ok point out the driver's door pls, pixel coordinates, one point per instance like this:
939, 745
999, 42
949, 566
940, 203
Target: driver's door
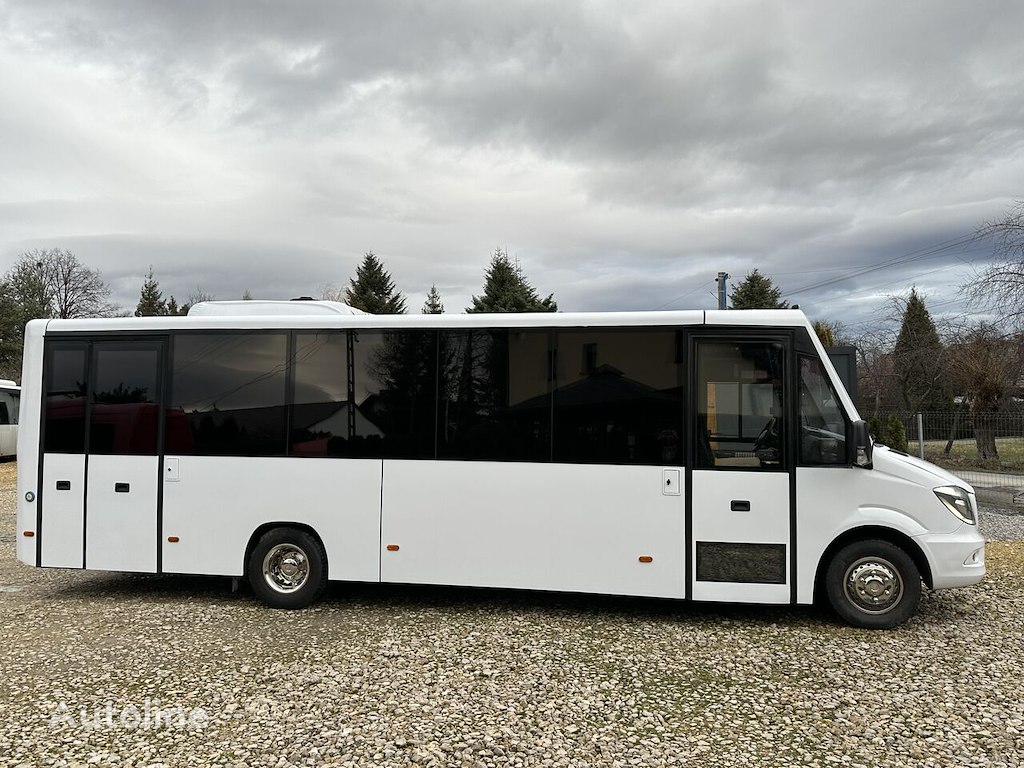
740, 505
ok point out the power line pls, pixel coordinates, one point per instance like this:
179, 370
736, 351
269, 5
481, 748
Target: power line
683, 296
921, 253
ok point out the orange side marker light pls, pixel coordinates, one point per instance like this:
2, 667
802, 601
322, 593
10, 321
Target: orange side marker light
646, 559
392, 547
28, 534
173, 539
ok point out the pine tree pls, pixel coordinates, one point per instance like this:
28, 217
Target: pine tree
372, 289
172, 307
433, 305
506, 290
757, 291
151, 300
826, 332
918, 360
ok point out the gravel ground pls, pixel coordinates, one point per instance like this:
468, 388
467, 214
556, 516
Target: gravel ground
380, 675
1002, 524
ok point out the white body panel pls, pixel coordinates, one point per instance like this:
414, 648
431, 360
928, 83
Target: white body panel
218, 501
333, 320
510, 524
120, 527
895, 495
63, 532
575, 528
766, 522
28, 443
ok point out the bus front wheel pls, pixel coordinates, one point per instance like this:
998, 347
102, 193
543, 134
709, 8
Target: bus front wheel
287, 568
873, 584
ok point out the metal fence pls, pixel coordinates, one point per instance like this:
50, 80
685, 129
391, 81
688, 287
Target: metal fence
985, 449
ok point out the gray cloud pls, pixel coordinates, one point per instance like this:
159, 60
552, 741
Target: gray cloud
625, 153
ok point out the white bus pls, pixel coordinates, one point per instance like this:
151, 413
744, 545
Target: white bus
10, 399
698, 455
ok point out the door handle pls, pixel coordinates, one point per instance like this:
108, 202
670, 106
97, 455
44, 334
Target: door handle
740, 505
121, 487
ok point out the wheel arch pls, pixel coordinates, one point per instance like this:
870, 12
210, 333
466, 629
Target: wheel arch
865, 533
267, 527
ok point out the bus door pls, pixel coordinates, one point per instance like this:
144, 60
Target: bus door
100, 463
740, 487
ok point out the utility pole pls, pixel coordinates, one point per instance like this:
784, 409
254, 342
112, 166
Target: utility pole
722, 277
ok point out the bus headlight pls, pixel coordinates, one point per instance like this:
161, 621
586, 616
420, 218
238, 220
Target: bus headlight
959, 502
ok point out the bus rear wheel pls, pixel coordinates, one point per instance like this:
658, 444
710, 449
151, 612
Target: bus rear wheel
287, 568
873, 584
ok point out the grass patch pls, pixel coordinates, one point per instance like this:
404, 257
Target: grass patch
964, 454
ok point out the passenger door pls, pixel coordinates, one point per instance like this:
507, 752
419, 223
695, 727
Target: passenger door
98, 495
740, 499
62, 487
125, 399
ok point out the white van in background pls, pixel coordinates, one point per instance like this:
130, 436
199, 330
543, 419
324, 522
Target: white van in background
10, 399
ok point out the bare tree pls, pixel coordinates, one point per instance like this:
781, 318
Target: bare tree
876, 377
46, 284
331, 292
77, 290
999, 287
987, 367
54, 283
194, 297
198, 295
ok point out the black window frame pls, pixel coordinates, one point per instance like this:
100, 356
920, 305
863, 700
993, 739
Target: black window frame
172, 346
680, 372
96, 346
744, 334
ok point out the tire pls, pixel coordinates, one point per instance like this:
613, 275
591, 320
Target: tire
287, 568
873, 584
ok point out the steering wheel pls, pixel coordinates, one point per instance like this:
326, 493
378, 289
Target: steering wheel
767, 443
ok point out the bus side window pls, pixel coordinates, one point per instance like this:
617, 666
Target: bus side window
822, 423
739, 405
5, 416
618, 396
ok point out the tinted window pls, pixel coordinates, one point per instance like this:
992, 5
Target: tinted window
739, 405
8, 408
364, 393
494, 395
822, 422
321, 417
64, 428
125, 389
228, 395
618, 397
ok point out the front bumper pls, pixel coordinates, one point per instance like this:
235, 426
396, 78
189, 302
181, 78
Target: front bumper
956, 559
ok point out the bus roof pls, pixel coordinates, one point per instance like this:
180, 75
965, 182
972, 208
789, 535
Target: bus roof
318, 314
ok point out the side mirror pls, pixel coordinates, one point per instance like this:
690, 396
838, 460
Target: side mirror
862, 444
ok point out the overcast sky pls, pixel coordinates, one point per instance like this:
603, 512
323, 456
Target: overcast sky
623, 152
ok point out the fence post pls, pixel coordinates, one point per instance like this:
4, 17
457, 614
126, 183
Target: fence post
920, 435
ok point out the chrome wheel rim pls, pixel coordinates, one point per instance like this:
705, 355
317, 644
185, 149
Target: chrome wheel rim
286, 568
873, 585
